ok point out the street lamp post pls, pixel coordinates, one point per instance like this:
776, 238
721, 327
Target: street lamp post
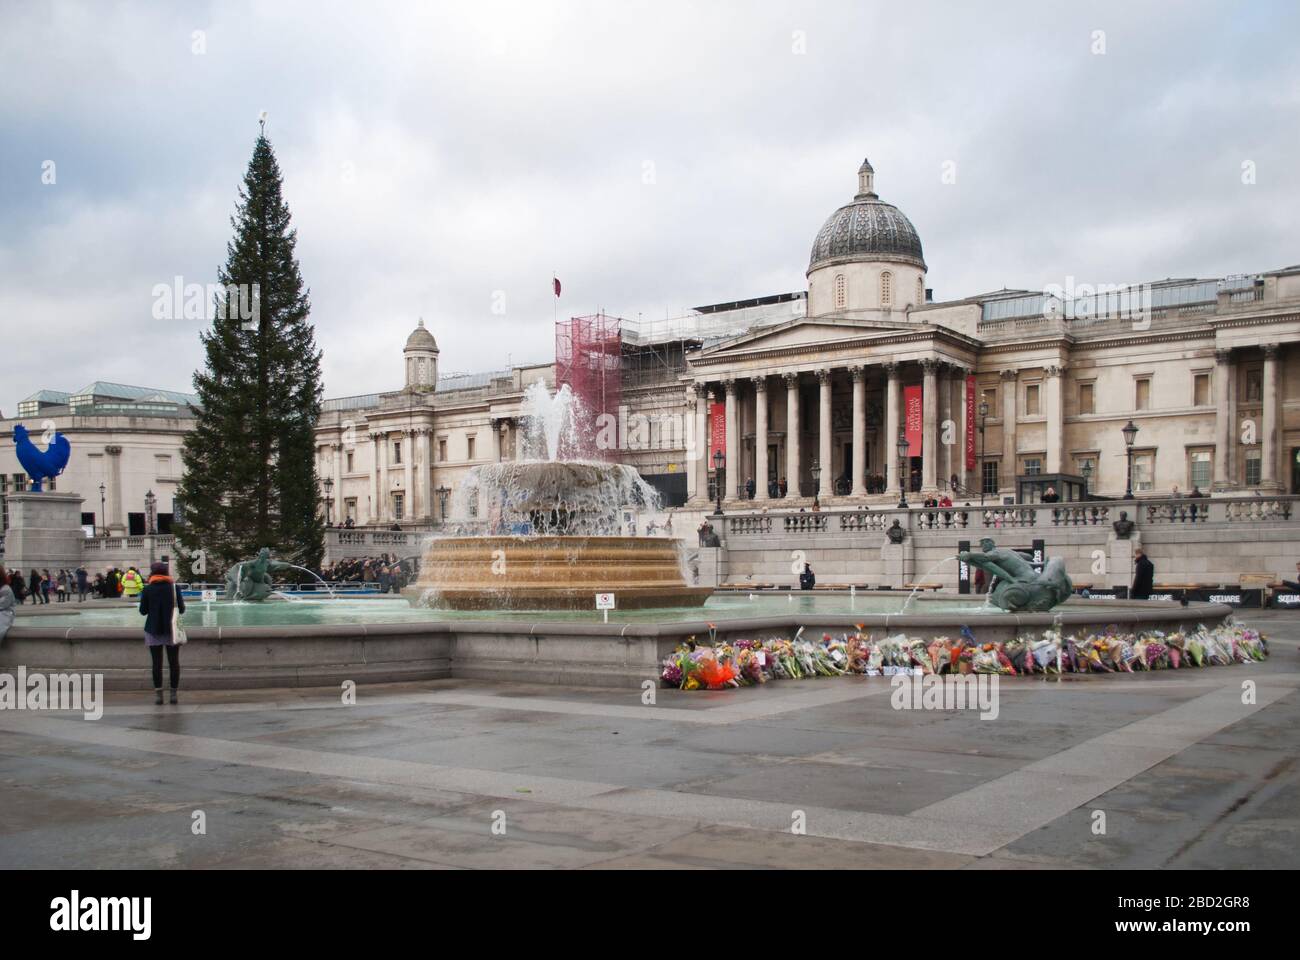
329, 501
443, 493
1130, 434
903, 474
817, 487
151, 522
984, 415
103, 521
719, 462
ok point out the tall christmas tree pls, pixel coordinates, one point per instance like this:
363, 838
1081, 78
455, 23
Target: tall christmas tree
250, 472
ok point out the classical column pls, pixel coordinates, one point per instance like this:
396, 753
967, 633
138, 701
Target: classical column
1223, 376
963, 426
892, 428
825, 487
113, 522
495, 427
426, 477
408, 479
760, 438
1055, 417
337, 450
697, 446
372, 510
930, 425
733, 440
1268, 464
859, 375
792, 464
1007, 473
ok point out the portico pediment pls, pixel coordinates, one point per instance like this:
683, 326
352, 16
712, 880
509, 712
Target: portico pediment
823, 334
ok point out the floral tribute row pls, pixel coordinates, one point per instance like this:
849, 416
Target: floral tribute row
741, 663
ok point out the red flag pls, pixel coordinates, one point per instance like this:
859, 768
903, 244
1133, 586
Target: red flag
555, 281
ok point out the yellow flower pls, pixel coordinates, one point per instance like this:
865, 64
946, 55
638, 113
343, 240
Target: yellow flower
691, 684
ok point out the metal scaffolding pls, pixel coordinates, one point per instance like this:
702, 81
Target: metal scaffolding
589, 358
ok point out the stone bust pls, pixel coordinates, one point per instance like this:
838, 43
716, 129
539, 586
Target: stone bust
896, 533
1123, 526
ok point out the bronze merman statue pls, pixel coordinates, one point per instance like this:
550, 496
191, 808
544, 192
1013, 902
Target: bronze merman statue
251, 579
1016, 585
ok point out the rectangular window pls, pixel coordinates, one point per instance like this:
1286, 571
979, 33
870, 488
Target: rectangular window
1253, 464
350, 509
1201, 390
989, 396
399, 501
162, 466
990, 476
1033, 466
349, 463
397, 452
1031, 400
1087, 467
1087, 398
1254, 386
442, 451
469, 448
1142, 394
20, 483
1199, 465
1144, 471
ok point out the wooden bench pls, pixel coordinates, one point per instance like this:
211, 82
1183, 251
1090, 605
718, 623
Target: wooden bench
923, 586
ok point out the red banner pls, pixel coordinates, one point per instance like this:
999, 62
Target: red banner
717, 430
970, 423
913, 418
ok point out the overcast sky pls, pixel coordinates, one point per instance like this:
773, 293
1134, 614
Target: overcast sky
441, 158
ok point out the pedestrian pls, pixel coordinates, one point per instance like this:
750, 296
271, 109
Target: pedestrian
82, 584
132, 584
1294, 584
1144, 572
17, 586
749, 489
34, 586
159, 598
807, 579
981, 580
63, 585
1050, 496
7, 602
98, 585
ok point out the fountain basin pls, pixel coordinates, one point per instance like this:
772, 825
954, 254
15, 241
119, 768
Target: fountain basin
513, 646
552, 573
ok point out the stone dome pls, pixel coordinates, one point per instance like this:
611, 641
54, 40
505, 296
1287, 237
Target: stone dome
420, 339
866, 229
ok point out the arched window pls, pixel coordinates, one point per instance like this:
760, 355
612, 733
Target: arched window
841, 291
886, 288
920, 290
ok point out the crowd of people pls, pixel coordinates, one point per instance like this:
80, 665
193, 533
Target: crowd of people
386, 571
44, 585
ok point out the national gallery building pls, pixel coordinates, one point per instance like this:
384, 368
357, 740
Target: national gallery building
862, 389
859, 390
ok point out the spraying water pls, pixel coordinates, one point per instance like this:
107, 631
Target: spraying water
911, 596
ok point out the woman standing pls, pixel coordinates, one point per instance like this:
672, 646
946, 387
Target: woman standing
158, 599
6, 603
34, 586
62, 585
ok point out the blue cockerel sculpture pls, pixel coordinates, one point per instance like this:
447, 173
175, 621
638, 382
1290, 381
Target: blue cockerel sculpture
41, 464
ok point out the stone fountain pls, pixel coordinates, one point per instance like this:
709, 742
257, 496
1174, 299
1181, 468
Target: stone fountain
550, 531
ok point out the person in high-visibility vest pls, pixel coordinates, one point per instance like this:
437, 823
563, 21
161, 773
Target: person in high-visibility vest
132, 584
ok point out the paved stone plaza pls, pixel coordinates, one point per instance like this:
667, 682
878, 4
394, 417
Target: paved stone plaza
417, 775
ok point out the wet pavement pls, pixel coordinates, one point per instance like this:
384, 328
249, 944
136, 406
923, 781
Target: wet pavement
1168, 769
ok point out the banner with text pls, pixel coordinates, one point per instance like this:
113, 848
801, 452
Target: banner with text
913, 416
717, 430
970, 423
